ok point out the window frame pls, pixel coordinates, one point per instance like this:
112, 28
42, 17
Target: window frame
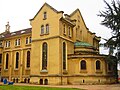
98, 65
44, 55
83, 65
44, 15
64, 29
64, 56
17, 60
7, 44
109, 67
17, 42
7, 61
28, 60
47, 28
42, 30
0, 58
27, 40
69, 31
0, 43
30, 39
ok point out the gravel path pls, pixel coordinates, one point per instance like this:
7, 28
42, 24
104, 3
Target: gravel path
88, 87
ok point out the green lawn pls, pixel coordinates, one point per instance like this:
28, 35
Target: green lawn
12, 87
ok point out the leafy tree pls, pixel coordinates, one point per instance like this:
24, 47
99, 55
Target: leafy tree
111, 16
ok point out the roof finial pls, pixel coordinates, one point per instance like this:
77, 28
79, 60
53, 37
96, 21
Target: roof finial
7, 27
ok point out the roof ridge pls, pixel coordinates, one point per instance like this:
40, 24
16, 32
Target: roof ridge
80, 15
49, 7
7, 35
21, 30
74, 12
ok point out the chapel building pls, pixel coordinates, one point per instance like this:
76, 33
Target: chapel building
58, 49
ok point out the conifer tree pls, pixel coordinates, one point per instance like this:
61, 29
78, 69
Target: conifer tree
111, 16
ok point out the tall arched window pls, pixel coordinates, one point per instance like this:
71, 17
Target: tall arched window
47, 28
7, 58
64, 55
97, 65
44, 56
17, 60
42, 29
83, 65
28, 59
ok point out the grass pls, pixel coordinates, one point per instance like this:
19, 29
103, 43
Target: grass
12, 87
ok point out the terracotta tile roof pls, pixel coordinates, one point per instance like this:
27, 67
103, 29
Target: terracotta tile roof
16, 33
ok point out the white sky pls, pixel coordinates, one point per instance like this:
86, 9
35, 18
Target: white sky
18, 13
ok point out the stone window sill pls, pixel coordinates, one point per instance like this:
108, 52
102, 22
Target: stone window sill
65, 72
83, 71
98, 71
44, 71
44, 34
16, 69
28, 44
7, 47
5, 69
27, 68
17, 46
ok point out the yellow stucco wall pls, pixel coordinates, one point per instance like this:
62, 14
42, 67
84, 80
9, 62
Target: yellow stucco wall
22, 49
54, 73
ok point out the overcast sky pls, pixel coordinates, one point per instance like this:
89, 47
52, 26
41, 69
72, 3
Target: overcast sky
18, 13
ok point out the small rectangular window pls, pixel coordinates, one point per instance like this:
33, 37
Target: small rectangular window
30, 40
64, 29
47, 28
17, 42
0, 43
7, 43
42, 29
69, 32
0, 58
27, 40
45, 15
